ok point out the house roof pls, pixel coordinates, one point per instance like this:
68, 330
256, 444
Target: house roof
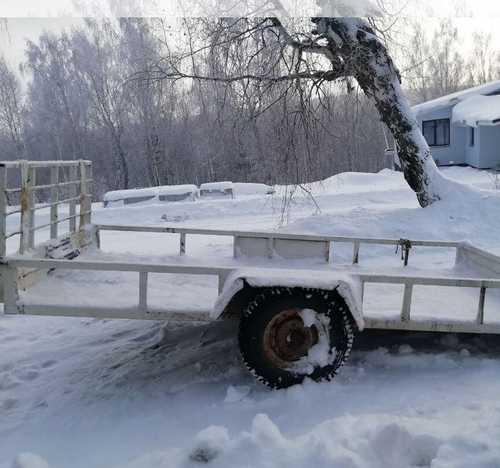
491, 90
477, 110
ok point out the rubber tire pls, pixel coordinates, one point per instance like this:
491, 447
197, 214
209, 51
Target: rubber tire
269, 302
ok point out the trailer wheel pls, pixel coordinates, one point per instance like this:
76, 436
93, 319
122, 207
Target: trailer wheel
288, 334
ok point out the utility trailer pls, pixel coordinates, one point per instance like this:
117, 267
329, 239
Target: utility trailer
299, 299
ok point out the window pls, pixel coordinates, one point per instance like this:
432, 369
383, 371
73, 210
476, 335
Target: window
437, 132
472, 137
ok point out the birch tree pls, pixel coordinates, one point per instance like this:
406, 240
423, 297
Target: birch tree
10, 107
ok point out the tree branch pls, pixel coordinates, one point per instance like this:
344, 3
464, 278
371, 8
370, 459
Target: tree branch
329, 75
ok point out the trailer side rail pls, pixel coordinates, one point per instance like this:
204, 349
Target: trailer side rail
272, 239
143, 311
405, 322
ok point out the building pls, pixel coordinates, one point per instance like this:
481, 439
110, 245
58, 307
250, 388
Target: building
464, 128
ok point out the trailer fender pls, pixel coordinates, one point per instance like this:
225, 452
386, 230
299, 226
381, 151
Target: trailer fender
348, 286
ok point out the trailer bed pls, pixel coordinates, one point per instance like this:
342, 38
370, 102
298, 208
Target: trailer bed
429, 285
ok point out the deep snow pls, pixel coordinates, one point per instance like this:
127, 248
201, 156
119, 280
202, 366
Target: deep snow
107, 394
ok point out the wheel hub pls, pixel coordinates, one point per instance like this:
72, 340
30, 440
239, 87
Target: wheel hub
287, 339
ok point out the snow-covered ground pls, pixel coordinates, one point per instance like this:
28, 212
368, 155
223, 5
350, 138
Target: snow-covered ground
85, 393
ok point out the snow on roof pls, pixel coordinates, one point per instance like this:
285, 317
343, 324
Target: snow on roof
117, 195
452, 99
177, 189
219, 186
132, 193
478, 110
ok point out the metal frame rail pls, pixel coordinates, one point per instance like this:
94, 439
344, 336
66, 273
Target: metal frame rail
271, 238
404, 322
79, 183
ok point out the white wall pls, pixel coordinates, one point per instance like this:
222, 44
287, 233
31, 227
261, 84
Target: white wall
489, 150
472, 152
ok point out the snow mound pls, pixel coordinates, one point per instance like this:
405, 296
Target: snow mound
346, 442
235, 394
210, 444
29, 460
246, 189
354, 182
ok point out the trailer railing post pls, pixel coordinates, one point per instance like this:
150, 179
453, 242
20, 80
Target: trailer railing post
73, 192
355, 253
480, 311
182, 250
406, 309
85, 206
54, 200
25, 223
89, 190
143, 291
270, 247
32, 203
3, 210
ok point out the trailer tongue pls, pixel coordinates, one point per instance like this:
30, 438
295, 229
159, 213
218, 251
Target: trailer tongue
299, 298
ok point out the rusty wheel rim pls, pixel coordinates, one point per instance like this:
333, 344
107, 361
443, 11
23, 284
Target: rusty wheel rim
286, 339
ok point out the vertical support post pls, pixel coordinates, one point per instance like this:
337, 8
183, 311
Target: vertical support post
73, 174
355, 253
222, 280
235, 246
143, 291
406, 309
54, 199
11, 294
327, 252
25, 214
183, 244
83, 195
89, 187
32, 204
3, 210
480, 310
270, 247
97, 237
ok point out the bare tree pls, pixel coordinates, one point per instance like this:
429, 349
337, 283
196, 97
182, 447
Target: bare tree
483, 64
98, 60
10, 107
58, 103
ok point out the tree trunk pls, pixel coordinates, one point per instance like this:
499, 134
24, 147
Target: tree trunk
365, 57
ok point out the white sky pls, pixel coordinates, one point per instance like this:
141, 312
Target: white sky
27, 19
44, 8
